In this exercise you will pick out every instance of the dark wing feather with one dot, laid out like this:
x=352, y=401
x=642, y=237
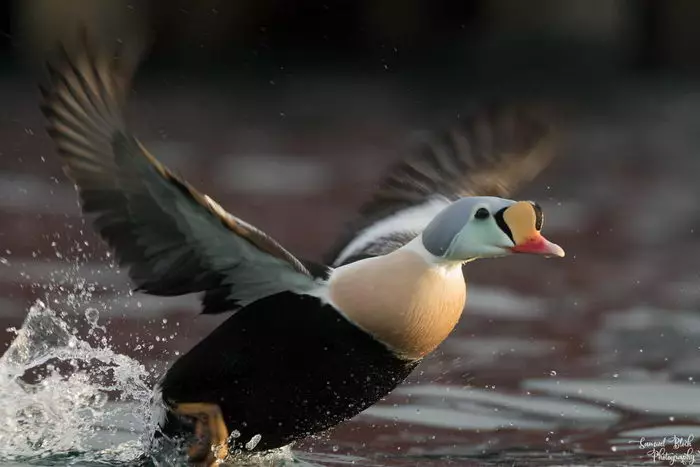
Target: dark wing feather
x=173, y=239
x=493, y=153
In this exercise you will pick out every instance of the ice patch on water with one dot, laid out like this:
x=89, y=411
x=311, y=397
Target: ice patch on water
x=55, y=390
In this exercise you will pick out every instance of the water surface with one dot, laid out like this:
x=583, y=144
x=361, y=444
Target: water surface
x=591, y=360
x=69, y=398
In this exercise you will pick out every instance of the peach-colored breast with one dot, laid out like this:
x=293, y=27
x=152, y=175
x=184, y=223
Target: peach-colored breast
x=403, y=301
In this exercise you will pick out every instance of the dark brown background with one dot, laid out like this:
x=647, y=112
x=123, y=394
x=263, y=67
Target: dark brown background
x=286, y=113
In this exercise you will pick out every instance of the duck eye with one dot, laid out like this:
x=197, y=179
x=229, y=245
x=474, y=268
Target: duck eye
x=481, y=213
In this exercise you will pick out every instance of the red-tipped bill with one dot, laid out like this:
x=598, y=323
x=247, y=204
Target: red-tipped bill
x=538, y=245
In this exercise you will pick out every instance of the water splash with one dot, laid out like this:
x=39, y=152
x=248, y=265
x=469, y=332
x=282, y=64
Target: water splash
x=67, y=397
x=65, y=400
x=61, y=395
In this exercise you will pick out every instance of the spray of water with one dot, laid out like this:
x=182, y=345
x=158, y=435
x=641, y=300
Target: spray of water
x=71, y=411
x=67, y=397
x=56, y=390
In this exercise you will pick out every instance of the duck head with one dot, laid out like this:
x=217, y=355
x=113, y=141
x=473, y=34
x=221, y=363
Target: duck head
x=487, y=227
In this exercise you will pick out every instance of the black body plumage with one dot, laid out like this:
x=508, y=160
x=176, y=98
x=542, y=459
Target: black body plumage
x=284, y=367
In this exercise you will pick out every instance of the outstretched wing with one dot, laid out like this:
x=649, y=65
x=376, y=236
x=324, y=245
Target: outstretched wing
x=173, y=239
x=491, y=154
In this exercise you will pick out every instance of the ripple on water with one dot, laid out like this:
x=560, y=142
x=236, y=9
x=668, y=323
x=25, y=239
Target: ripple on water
x=477, y=409
x=661, y=398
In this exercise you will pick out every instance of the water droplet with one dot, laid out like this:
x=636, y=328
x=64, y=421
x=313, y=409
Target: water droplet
x=250, y=445
x=92, y=315
x=99, y=400
x=553, y=373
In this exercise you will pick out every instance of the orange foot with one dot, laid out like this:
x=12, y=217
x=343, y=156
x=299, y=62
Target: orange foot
x=211, y=446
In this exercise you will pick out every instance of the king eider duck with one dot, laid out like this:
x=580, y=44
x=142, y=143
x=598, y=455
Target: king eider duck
x=305, y=346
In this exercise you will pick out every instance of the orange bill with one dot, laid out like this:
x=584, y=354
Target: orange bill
x=522, y=221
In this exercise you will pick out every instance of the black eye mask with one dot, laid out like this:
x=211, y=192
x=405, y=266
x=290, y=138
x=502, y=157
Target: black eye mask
x=502, y=224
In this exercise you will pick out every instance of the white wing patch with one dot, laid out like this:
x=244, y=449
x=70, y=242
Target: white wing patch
x=413, y=219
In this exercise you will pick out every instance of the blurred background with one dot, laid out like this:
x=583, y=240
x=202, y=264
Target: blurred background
x=288, y=111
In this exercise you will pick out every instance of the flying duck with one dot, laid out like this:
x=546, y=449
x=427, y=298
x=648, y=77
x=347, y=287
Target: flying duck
x=305, y=345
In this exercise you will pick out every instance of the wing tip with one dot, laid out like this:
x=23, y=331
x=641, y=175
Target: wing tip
x=84, y=89
x=485, y=138
x=524, y=124
x=77, y=57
